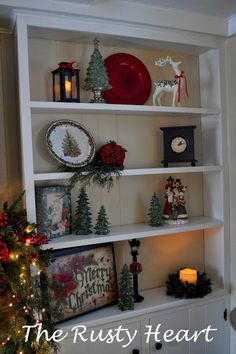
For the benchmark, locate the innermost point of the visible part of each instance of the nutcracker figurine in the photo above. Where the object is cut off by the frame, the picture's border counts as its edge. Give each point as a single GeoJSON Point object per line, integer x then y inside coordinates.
{"type": "Point", "coordinates": [135, 269]}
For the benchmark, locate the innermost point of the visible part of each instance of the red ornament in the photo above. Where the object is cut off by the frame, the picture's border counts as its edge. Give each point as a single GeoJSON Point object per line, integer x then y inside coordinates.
{"type": "Point", "coordinates": [135, 268]}
{"type": "Point", "coordinates": [4, 253]}
{"type": "Point", "coordinates": [112, 154]}
{"type": "Point", "coordinates": [3, 220]}
{"type": "Point", "coordinates": [40, 240]}
{"type": "Point", "coordinates": [36, 240]}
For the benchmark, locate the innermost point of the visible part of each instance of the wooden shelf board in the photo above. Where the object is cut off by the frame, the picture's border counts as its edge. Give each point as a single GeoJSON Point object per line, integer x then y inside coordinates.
{"type": "Point", "coordinates": [154, 300]}
{"type": "Point", "coordinates": [134, 172]}
{"type": "Point", "coordinates": [101, 108]}
{"type": "Point", "coordinates": [167, 170]}
{"type": "Point", "coordinates": [52, 176]}
{"type": "Point", "coordinates": [127, 232]}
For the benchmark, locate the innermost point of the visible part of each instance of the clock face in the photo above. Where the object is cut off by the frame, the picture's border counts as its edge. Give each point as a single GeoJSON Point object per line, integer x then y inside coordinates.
{"type": "Point", "coordinates": [178, 144]}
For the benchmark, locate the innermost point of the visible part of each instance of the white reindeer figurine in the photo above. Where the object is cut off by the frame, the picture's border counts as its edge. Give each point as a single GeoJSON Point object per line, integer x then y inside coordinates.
{"type": "Point", "coordinates": [174, 86]}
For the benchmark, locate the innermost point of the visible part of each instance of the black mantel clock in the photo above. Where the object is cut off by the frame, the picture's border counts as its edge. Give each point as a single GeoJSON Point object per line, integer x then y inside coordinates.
{"type": "Point", "coordinates": [179, 144]}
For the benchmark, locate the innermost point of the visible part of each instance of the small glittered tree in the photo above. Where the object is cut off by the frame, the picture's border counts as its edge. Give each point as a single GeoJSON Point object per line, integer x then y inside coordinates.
{"type": "Point", "coordinates": [125, 299]}
{"type": "Point", "coordinates": [83, 221]}
{"type": "Point", "coordinates": [155, 212]}
{"type": "Point", "coordinates": [70, 146]}
{"type": "Point", "coordinates": [102, 226]}
{"type": "Point", "coordinates": [97, 77]}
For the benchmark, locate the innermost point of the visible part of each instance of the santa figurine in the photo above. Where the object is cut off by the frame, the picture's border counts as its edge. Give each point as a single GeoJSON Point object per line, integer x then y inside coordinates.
{"type": "Point", "coordinates": [167, 212]}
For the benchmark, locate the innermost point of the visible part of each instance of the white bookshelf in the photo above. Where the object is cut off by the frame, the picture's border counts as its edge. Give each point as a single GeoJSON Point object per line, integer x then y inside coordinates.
{"type": "Point", "coordinates": [134, 172]}
{"type": "Point", "coordinates": [208, 180]}
{"type": "Point", "coordinates": [101, 108]}
{"type": "Point", "coordinates": [128, 232]}
{"type": "Point", "coordinates": [154, 300]}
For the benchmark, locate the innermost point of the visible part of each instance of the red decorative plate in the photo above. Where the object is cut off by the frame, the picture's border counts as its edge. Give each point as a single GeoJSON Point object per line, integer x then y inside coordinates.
{"type": "Point", "coordinates": [129, 78]}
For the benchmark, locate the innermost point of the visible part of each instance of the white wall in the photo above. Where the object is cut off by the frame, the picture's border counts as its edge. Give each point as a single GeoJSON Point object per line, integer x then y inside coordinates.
{"type": "Point", "coordinates": [10, 164]}
{"type": "Point", "coordinates": [231, 96]}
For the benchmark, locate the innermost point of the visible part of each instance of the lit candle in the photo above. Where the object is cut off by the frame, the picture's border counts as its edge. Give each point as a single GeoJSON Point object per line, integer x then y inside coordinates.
{"type": "Point", "coordinates": [188, 275]}
{"type": "Point", "coordinates": [68, 88]}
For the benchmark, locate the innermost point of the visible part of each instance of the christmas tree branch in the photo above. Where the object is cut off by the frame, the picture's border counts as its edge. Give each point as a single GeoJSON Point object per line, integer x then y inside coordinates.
{"type": "Point", "coordinates": [101, 175]}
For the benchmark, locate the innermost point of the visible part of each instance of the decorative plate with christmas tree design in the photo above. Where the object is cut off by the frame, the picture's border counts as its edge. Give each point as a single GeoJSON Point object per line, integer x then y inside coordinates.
{"type": "Point", "coordinates": [70, 143]}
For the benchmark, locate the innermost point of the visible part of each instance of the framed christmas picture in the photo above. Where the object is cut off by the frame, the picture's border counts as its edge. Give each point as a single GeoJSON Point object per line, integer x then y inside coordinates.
{"type": "Point", "coordinates": [53, 208]}
{"type": "Point", "coordinates": [81, 280]}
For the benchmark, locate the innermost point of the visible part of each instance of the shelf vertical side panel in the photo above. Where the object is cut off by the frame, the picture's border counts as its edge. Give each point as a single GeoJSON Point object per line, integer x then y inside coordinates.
{"type": "Point", "coordinates": [25, 116]}
{"type": "Point", "coordinates": [225, 162]}
{"type": "Point", "coordinates": [225, 181]}
{"type": "Point", "coordinates": [212, 135]}
{"type": "Point", "coordinates": [210, 95]}
{"type": "Point", "coordinates": [216, 187]}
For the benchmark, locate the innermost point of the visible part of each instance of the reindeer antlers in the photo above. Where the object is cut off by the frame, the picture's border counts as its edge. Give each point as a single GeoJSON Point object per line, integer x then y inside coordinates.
{"type": "Point", "coordinates": [162, 61]}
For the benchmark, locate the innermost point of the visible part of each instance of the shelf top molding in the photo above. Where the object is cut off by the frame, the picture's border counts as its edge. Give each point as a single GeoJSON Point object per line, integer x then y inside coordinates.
{"type": "Point", "coordinates": [133, 172]}
{"type": "Point", "coordinates": [154, 300]}
{"type": "Point", "coordinates": [61, 27]}
{"type": "Point", "coordinates": [41, 107]}
{"type": "Point", "coordinates": [127, 232]}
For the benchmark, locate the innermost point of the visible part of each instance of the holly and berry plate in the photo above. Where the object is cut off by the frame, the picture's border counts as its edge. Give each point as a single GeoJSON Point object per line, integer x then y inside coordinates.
{"type": "Point", "coordinates": [70, 143]}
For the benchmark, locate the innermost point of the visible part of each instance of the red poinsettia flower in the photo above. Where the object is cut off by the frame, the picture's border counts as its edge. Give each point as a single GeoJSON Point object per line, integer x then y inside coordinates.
{"type": "Point", "coordinates": [77, 263]}
{"type": "Point", "coordinates": [62, 277]}
{"type": "Point", "coordinates": [112, 154]}
{"type": "Point", "coordinates": [69, 287]}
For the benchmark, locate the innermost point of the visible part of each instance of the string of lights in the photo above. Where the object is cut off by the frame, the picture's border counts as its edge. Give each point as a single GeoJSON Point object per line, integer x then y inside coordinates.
{"type": "Point", "coordinates": [22, 303]}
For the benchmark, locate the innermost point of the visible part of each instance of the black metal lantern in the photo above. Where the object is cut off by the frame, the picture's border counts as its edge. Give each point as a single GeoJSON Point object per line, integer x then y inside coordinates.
{"type": "Point", "coordinates": [66, 82]}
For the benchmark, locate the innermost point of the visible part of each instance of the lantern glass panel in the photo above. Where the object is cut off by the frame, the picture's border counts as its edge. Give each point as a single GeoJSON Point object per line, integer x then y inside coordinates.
{"type": "Point", "coordinates": [75, 87]}
{"type": "Point", "coordinates": [68, 87]}
{"type": "Point", "coordinates": [57, 89]}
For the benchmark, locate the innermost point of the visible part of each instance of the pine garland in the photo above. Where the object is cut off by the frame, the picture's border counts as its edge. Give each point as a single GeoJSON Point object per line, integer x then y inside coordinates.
{"type": "Point", "coordinates": [22, 262]}
{"type": "Point", "coordinates": [107, 164]}
{"type": "Point", "coordinates": [179, 289]}
{"type": "Point", "coordinates": [96, 173]}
